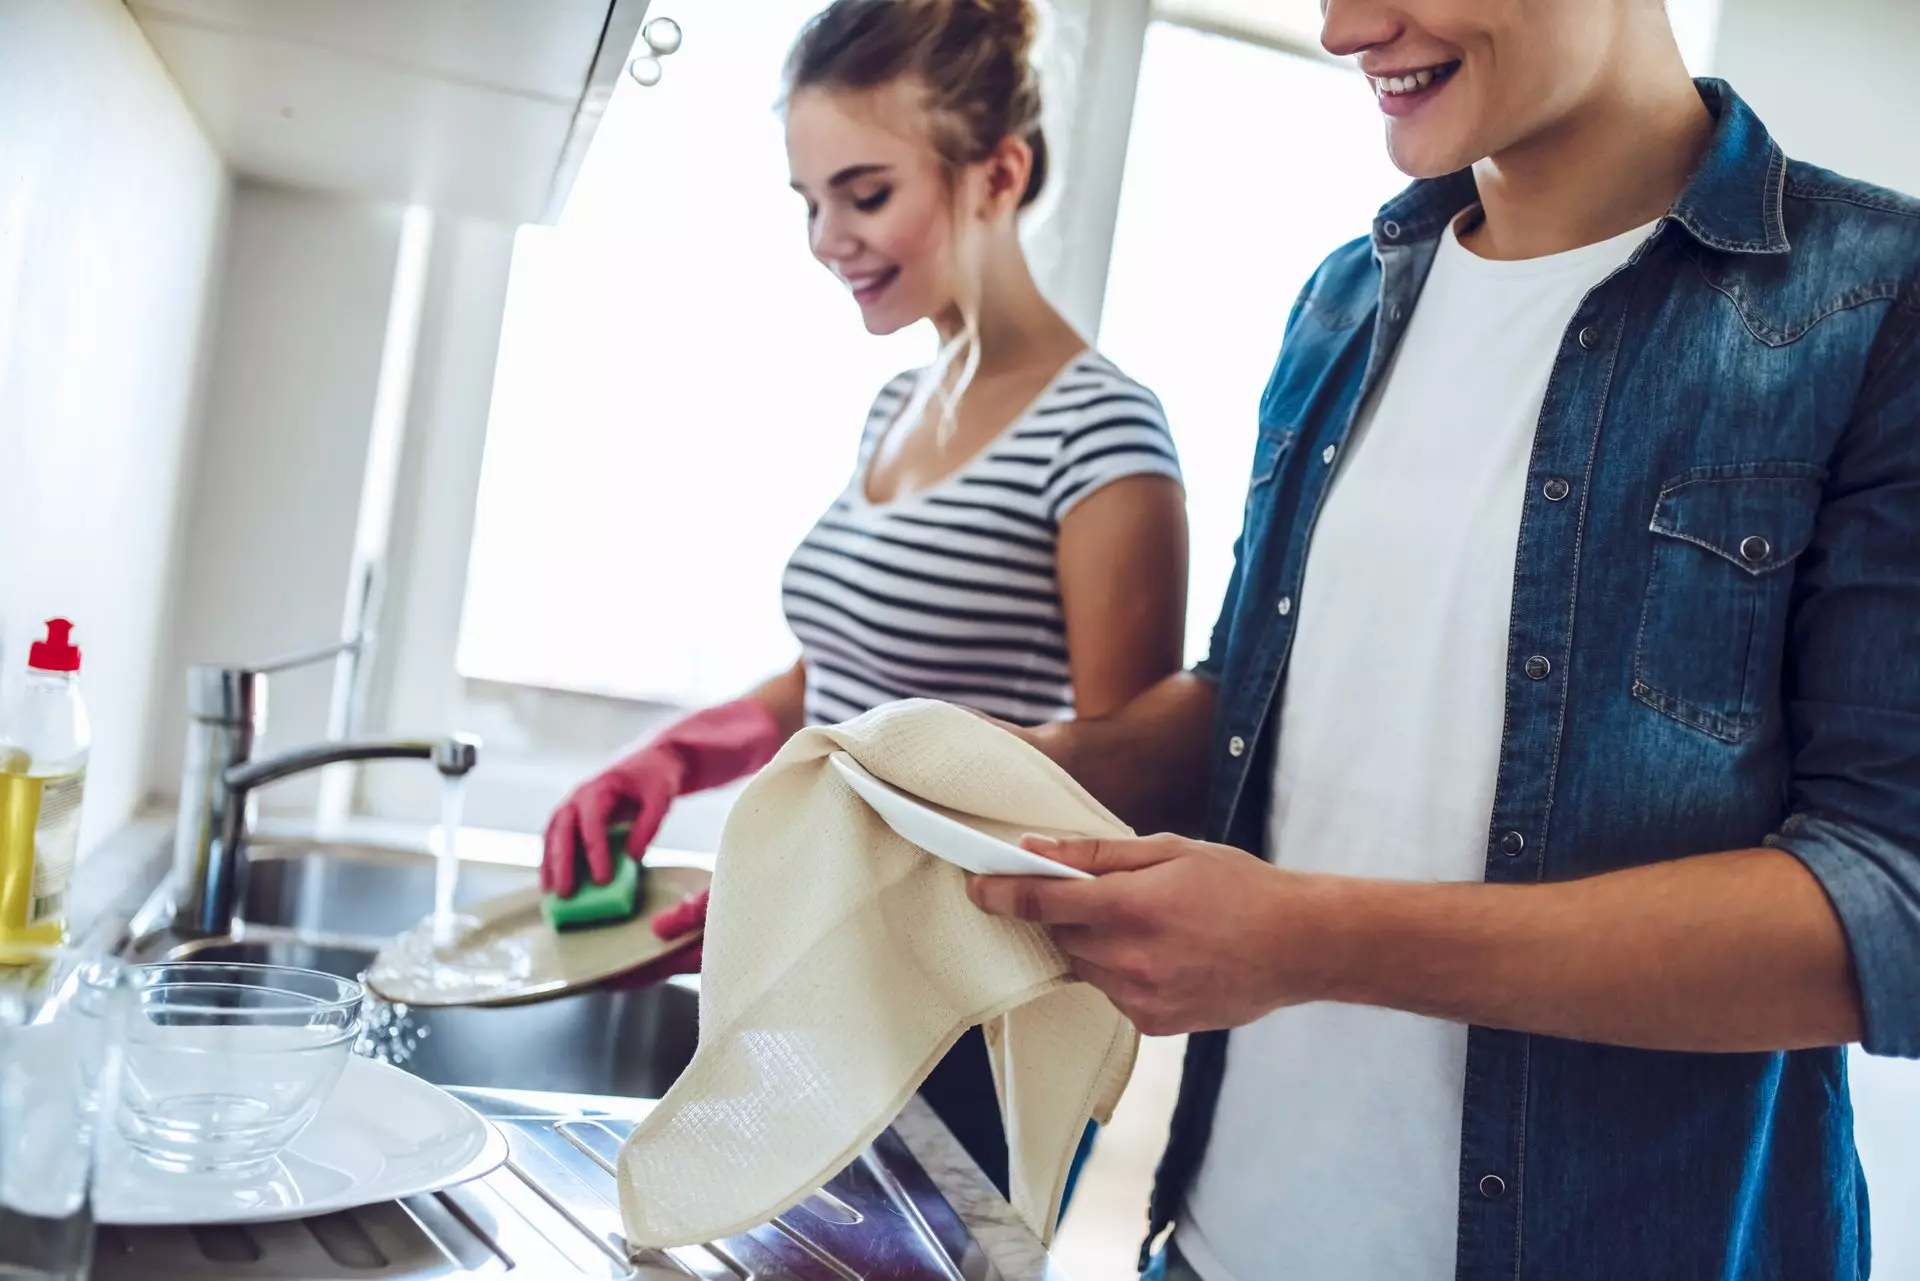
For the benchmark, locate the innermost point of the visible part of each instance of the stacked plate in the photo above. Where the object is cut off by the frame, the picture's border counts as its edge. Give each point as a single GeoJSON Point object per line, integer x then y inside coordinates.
{"type": "Point", "coordinates": [379, 1136]}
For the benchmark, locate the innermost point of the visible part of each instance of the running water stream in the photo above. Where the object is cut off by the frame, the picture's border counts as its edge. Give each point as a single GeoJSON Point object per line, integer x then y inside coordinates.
{"type": "Point", "coordinates": [388, 1030]}
{"type": "Point", "coordinates": [446, 868]}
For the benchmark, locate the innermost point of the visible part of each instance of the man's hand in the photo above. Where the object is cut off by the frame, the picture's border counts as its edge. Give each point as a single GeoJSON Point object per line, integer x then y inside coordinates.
{"type": "Point", "coordinates": [1181, 936]}
{"type": "Point", "coordinates": [1732, 952]}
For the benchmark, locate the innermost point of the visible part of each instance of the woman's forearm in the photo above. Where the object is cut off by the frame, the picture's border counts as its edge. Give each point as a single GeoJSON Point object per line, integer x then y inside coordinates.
{"type": "Point", "coordinates": [785, 698]}
{"type": "Point", "coordinates": [1146, 762]}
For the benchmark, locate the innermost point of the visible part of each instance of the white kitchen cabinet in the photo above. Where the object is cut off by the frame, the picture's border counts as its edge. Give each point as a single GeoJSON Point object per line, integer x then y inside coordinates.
{"type": "Point", "coordinates": [481, 108]}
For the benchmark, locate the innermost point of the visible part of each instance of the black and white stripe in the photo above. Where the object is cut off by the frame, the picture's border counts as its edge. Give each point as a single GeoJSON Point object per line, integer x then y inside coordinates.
{"type": "Point", "coordinates": [951, 593]}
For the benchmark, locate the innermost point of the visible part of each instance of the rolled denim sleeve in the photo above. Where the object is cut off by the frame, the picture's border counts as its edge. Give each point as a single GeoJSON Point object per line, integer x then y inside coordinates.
{"type": "Point", "coordinates": [1853, 692]}
{"type": "Point", "coordinates": [1874, 885]}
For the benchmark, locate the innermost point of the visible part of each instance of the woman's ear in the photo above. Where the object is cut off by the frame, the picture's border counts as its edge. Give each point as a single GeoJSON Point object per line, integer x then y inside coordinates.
{"type": "Point", "coordinates": [1006, 170]}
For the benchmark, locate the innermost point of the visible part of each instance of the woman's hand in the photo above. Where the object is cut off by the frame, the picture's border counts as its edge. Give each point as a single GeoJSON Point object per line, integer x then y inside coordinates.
{"type": "Point", "coordinates": [683, 918]}
{"type": "Point", "coordinates": [638, 790]}
{"type": "Point", "coordinates": [678, 922]}
{"type": "Point", "coordinates": [707, 749]}
{"type": "Point", "coordinates": [1049, 740]}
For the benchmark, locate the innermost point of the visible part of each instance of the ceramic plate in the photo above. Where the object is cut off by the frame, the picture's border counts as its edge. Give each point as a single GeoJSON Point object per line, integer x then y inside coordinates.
{"type": "Point", "coordinates": [381, 1134]}
{"type": "Point", "coordinates": [944, 834]}
{"type": "Point", "coordinates": [503, 952]}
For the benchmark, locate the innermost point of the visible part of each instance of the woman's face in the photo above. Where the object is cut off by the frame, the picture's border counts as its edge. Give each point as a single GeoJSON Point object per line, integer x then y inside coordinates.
{"type": "Point", "coordinates": [1460, 80]}
{"type": "Point", "coordinates": [879, 207]}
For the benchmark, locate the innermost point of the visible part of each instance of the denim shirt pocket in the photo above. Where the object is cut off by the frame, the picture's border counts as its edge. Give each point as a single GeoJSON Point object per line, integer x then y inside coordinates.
{"type": "Point", "coordinates": [1713, 626]}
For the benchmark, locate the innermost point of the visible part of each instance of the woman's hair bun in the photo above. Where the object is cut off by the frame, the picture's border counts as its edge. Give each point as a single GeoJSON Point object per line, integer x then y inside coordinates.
{"type": "Point", "coordinates": [975, 58]}
{"type": "Point", "coordinates": [1019, 18]}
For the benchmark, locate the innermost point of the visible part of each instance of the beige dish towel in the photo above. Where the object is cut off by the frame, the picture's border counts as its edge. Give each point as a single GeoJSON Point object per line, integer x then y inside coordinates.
{"type": "Point", "coordinates": [842, 962]}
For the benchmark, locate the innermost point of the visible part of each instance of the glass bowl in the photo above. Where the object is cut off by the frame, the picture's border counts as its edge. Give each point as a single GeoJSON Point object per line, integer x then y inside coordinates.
{"type": "Point", "coordinates": [225, 1064]}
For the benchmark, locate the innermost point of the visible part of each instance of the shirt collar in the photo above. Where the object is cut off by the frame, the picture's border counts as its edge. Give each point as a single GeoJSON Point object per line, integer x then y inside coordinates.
{"type": "Point", "coordinates": [1735, 201]}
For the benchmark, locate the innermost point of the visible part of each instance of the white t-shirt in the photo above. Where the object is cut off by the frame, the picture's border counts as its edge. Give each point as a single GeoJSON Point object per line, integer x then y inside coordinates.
{"type": "Point", "coordinates": [1335, 1151]}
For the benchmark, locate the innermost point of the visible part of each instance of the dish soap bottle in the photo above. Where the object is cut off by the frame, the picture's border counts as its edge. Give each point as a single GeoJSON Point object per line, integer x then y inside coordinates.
{"type": "Point", "coordinates": [44, 738]}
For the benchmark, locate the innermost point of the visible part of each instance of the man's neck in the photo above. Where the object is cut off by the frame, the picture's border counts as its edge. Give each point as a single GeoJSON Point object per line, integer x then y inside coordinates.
{"type": "Point", "coordinates": [1615, 163]}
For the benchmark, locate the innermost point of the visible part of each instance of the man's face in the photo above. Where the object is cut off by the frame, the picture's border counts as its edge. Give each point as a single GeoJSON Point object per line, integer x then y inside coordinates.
{"type": "Point", "coordinates": [1459, 80]}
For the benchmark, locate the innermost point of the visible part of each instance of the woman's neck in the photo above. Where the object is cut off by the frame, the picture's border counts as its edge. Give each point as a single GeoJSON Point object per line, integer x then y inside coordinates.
{"type": "Point", "coordinates": [1615, 163]}
{"type": "Point", "coordinates": [1017, 326]}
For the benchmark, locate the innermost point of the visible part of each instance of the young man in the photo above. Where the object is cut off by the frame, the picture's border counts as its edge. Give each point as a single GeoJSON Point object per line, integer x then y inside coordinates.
{"type": "Point", "coordinates": [1569, 683]}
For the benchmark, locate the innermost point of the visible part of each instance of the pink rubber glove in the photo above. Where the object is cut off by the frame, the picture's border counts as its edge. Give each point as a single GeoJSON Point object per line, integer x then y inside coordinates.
{"type": "Point", "coordinates": [686, 916]}
{"type": "Point", "coordinates": [707, 749]}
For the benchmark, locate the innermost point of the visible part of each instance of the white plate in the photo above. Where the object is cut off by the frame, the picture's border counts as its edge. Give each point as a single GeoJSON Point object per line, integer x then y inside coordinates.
{"type": "Point", "coordinates": [943, 834]}
{"type": "Point", "coordinates": [381, 1135]}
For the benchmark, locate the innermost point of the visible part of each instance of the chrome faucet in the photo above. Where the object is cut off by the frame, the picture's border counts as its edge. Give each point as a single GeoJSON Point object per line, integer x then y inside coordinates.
{"type": "Point", "coordinates": [226, 710]}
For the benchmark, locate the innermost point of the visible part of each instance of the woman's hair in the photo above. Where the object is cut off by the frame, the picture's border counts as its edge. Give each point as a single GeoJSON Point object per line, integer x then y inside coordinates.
{"type": "Point", "coordinates": [975, 59]}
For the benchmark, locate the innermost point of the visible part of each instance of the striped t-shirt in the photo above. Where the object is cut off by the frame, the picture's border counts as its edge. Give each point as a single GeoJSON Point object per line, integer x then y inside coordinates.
{"type": "Point", "coordinates": [951, 593]}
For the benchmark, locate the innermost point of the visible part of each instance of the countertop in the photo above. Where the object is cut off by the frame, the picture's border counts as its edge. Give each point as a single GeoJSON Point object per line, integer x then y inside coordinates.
{"type": "Point", "coordinates": [120, 875]}
{"type": "Point", "coordinates": [1016, 1252]}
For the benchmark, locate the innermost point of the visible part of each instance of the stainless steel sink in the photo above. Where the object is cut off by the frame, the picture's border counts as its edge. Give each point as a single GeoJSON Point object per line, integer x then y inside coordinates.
{"type": "Point", "coordinates": [368, 891]}
{"type": "Point", "coordinates": [332, 911]}
{"type": "Point", "coordinates": [565, 1081]}
{"type": "Point", "coordinates": [553, 1212]}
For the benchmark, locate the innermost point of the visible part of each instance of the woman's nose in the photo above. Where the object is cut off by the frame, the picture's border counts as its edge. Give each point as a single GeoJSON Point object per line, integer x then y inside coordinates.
{"type": "Point", "coordinates": [833, 240]}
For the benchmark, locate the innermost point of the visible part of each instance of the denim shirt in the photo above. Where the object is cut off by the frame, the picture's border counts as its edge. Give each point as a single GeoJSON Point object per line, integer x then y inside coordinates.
{"type": "Point", "coordinates": [1714, 645]}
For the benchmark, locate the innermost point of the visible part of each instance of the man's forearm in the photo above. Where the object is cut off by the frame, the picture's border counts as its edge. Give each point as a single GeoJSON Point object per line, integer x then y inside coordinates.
{"type": "Point", "coordinates": [1146, 762]}
{"type": "Point", "coordinates": [1724, 952]}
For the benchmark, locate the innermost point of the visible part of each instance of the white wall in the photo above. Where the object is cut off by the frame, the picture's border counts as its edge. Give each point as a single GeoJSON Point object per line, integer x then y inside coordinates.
{"type": "Point", "coordinates": [1833, 81]}
{"type": "Point", "coordinates": [274, 497]}
{"type": "Point", "coordinates": [415, 689]}
{"type": "Point", "coordinates": [111, 203]}
{"type": "Point", "coordinates": [1696, 28]}
{"type": "Point", "coordinates": [1088, 72]}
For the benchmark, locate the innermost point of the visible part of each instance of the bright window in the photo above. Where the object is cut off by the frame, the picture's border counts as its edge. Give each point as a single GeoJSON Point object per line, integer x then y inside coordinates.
{"type": "Point", "coordinates": [680, 386]}
{"type": "Point", "coordinates": [679, 393]}
{"type": "Point", "coordinates": [1246, 167]}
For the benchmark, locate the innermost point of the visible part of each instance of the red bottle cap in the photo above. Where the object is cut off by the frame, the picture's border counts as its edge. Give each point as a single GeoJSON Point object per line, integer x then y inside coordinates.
{"type": "Point", "coordinates": [56, 653]}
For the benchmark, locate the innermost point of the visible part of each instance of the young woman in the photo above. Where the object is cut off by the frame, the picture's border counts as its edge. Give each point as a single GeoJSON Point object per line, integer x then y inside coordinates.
{"type": "Point", "coordinates": [1014, 536]}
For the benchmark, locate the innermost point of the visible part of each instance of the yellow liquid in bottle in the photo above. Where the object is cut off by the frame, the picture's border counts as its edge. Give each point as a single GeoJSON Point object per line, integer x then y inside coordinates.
{"type": "Point", "coordinates": [32, 897]}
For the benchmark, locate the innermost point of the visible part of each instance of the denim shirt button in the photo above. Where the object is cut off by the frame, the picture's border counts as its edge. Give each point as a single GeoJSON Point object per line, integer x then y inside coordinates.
{"type": "Point", "coordinates": [1492, 1187]}
{"type": "Point", "coordinates": [1512, 843]}
{"type": "Point", "coordinates": [1285, 606]}
{"type": "Point", "coordinates": [1589, 338]}
{"type": "Point", "coordinates": [1538, 668]}
{"type": "Point", "coordinates": [1326, 455]}
{"type": "Point", "coordinates": [1754, 549]}
{"type": "Point", "coordinates": [1390, 229]}
{"type": "Point", "coordinates": [1236, 746]}
{"type": "Point", "coordinates": [1556, 489]}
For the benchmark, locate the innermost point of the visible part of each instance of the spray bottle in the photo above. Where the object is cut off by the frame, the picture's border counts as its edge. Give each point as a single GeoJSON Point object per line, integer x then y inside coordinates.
{"type": "Point", "coordinates": [44, 739]}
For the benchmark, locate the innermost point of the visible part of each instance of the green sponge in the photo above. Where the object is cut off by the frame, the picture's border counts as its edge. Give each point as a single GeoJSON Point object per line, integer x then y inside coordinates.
{"type": "Point", "coordinates": [592, 904]}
